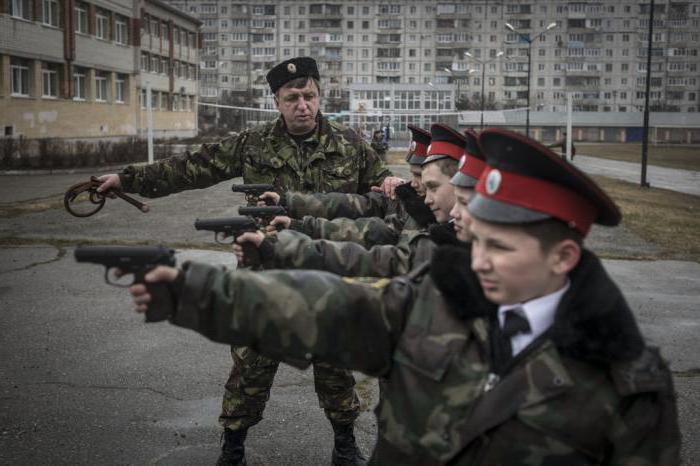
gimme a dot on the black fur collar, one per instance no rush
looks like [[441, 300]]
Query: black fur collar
[[593, 321], [414, 205]]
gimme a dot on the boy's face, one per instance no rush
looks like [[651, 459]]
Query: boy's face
[[299, 107], [511, 265], [416, 182], [460, 214], [439, 193]]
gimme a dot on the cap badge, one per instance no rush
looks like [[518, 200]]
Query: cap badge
[[462, 161], [429, 146], [292, 68], [493, 181]]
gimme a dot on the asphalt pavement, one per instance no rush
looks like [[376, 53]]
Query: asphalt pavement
[[84, 381], [683, 181]]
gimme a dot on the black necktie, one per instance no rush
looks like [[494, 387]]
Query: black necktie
[[514, 323]]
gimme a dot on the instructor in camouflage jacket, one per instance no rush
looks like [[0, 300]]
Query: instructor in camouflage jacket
[[301, 151]]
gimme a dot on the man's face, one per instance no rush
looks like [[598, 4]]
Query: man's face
[[460, 214], [416, 182], [439, 193], [511, 265], [299, 107]]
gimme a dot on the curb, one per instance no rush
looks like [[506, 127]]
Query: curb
[[67, 171]]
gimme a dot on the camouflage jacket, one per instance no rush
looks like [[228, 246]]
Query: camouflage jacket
[[368, 219], [294, 250], [588, 391], [359, 227], [334, 158]]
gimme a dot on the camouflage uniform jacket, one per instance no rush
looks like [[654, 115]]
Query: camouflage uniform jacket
[[586, 392], [294, 250], [367, 219], [334, 158]]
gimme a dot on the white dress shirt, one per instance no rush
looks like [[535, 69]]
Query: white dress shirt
[[539, 313]]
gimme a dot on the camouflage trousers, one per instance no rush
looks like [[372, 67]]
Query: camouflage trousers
[[248, 389]]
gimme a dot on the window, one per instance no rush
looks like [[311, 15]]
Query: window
[[101, 26], [50, 12], [21, 9], [81, 23], [20, 77], [100, 88], [120, 31], [49, 80], [79, 84]]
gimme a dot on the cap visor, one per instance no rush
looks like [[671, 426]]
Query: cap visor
[[463, 181], [434, 158], [491, 210], [415, 159]]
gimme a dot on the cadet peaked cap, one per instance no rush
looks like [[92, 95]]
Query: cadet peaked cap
[[526, 182], [471, 164], [445, 143], [288, 70], [418, 148]]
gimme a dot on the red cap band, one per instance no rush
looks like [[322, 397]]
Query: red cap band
[[473, 166], [421, 150], [445, 148], [538, 195]]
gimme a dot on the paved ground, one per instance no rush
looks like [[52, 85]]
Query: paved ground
[[83, 381], [684, 181]]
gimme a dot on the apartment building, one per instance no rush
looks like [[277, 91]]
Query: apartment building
[[596, 50], [70, 69]]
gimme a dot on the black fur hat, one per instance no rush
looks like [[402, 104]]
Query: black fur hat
[[288, 70]]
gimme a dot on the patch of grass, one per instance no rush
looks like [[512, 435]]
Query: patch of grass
[[396, 156], [666, 218], [687, 157], [16, 209]]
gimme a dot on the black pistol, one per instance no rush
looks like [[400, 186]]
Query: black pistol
[[233, 227], [136, 261], [253, 191], [262, 215]]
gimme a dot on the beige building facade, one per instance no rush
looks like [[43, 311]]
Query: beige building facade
[[73, 70], [597, 50]]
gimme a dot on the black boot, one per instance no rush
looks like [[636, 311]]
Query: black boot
[[345, 451], [233, 450]]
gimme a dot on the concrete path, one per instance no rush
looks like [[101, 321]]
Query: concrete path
[[683, 181]]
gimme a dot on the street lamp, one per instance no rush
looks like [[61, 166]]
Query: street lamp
[[449, 71], [483, 63], [529, 40]]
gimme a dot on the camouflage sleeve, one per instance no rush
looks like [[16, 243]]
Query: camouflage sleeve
[[368, 231], [297, 317], [335, 205], [294, 250], [645, 431], [208, 165], [374, 170]]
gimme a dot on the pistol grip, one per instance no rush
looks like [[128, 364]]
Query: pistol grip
[[251, 256], [161, 306]]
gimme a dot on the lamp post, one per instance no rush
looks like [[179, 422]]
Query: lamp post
[[454, 77], [483, 64], [529, 40]]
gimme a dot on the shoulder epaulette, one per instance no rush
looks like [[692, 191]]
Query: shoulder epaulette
[[647, 373]]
